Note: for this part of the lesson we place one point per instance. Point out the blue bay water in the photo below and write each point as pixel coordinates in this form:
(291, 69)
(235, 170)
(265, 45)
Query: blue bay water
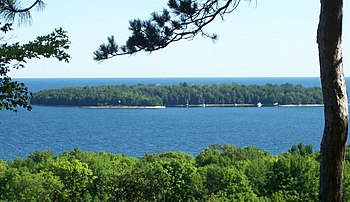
(138, 131)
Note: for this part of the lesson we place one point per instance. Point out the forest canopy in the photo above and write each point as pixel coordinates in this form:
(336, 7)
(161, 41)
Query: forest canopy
(179, 95)
(218, 173)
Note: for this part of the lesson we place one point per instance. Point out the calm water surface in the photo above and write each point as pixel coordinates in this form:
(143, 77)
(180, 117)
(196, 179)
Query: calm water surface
(138, 131)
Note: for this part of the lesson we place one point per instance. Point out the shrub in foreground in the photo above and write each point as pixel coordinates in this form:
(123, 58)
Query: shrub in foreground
(218, 173)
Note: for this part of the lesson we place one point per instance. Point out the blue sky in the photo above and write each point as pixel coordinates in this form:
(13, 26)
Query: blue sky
(275, 38)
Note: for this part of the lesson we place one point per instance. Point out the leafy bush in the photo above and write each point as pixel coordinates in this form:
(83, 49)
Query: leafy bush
(218, 173)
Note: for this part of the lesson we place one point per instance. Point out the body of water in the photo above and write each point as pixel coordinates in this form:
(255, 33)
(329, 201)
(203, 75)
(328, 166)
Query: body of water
(138, 131)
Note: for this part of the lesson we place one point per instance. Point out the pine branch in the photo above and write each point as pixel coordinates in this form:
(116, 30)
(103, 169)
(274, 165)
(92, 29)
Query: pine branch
(9, 9)
(184, 19)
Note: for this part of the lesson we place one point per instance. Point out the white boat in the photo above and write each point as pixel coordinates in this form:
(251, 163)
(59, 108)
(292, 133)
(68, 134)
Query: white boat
(259, 104)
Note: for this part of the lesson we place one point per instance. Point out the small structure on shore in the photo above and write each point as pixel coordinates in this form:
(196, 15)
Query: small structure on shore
(259, 104)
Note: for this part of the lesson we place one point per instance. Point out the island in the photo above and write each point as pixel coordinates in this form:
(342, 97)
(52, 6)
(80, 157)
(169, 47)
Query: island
(179, 95)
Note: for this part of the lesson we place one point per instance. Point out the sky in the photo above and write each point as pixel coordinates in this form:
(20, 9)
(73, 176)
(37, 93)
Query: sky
(266, 38)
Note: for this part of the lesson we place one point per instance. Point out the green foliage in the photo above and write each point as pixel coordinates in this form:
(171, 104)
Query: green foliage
(218, 173)
(301, 149)
(26, 186)
(181, 94)
(227, 182)
(76, 177)
(14, 94)
(347, 175)
(40, 156)
(296, 177)
(211, 155)
(347, 180)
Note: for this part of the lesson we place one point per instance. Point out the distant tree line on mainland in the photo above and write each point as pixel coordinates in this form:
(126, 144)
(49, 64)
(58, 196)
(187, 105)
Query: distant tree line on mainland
(179, 95)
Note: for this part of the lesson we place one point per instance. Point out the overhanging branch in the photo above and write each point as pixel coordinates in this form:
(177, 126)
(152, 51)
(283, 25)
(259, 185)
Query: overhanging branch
(185, 20)
(9, 9)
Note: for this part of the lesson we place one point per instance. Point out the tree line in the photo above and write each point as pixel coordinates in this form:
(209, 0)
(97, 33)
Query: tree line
(218, 173)
(178, 94)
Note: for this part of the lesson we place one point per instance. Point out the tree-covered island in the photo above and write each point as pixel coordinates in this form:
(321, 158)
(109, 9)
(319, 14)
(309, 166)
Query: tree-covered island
(182, 94)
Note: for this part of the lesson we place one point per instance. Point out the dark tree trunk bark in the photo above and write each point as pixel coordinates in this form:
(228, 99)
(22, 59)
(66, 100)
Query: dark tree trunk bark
(335, 101)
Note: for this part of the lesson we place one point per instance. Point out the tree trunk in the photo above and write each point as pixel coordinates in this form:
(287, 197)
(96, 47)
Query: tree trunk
(335, 101)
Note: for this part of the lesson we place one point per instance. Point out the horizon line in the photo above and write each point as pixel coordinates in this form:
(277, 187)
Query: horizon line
(160, 77)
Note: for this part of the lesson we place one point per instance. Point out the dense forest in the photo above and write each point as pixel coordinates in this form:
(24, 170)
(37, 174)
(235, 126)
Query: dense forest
(179, 95)
(218, 173)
